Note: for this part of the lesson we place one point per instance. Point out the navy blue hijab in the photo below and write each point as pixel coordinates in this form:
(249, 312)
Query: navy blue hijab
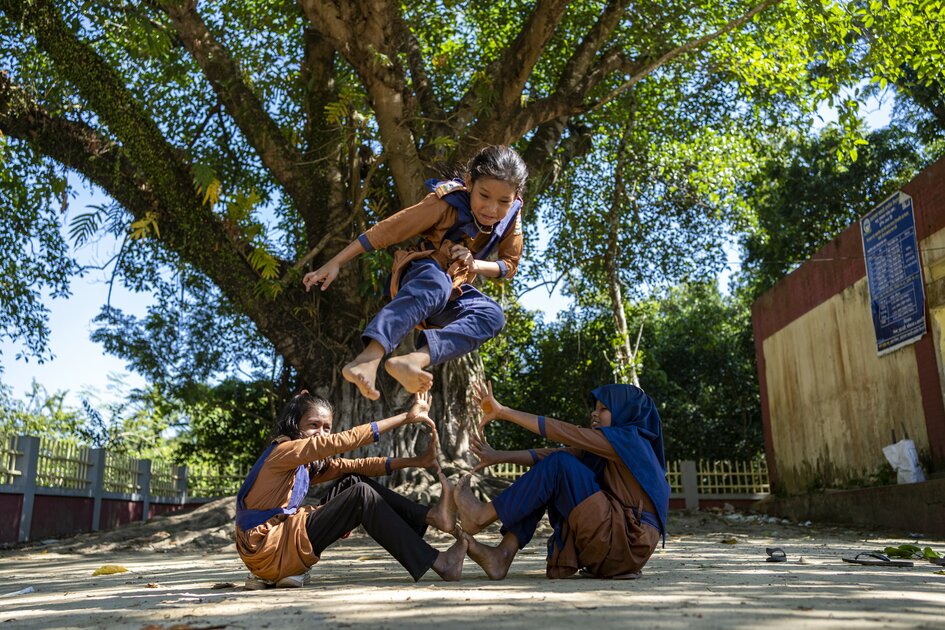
(636, 433)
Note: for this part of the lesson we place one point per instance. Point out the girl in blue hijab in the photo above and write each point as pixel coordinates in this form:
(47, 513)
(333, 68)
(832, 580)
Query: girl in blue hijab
(605, 494)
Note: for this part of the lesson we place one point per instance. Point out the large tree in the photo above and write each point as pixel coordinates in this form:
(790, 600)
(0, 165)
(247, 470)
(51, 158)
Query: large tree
(243, 143)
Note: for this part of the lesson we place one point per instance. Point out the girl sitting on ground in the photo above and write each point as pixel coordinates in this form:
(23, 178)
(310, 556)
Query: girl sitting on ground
(606, 494)
(279, 539)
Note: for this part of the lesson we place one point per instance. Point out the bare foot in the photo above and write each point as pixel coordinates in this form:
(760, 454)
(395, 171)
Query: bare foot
(362, 373)
(473, 513)
(495, 561)
(449, 564)
(443, 515)
(408, 370)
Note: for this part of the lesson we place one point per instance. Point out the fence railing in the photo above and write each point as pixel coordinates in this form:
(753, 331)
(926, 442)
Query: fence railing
(44, 466)
(31, 466)
(216, 481)
(8, 455)
(690, 480)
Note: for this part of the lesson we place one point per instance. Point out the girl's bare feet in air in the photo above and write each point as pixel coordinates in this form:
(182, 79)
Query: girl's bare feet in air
(495, 561)
(449, 564)
(362, 371)
(443, 515)
(408, 370)
(473, 513)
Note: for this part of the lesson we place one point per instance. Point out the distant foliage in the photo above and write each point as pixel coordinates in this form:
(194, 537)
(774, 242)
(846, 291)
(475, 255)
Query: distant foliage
(697, 363)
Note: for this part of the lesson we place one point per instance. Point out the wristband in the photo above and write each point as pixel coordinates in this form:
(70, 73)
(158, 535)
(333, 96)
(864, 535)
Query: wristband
(387, 465)
(541, 426)
(534, 455)
(375, 431)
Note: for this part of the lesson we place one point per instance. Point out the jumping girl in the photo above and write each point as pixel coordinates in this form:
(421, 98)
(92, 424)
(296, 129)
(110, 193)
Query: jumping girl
(460, 224)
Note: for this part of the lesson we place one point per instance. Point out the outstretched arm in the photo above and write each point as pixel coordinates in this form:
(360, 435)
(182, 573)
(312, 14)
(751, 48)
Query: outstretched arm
(405, 224)
(489, 456)
(298, 452)
(327, 273)
(590, 440)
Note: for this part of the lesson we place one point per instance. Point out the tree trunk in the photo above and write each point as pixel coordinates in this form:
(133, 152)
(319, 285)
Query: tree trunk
(625, 360)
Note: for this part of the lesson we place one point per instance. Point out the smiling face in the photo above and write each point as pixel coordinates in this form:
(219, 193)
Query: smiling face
(315, 422)
(491, 199)
(600, 417)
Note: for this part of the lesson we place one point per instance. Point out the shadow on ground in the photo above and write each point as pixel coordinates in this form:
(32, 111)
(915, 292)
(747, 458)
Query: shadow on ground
(702, 578)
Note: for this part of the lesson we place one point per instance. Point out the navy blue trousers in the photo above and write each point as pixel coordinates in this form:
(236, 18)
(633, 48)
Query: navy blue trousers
(456, 327)
(394, 521)
(557, 483)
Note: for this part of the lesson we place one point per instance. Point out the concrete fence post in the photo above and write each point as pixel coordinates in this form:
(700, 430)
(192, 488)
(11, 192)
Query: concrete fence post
(182, 484)
(690, 484)
(144, 476)
(97, 479)
(28, 465)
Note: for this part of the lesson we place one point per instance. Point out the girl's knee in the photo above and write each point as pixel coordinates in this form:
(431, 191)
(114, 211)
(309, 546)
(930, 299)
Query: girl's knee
(562, 461)
(365, 492)
(494, 316)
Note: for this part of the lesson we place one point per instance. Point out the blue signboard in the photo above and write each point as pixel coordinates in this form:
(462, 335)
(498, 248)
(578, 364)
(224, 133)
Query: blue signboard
(894, 274)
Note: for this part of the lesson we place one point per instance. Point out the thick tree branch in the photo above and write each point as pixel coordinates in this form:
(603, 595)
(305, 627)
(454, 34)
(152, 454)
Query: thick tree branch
(147, 173)
(76, 146)
(509, 73)
(104, 90)
(582, 61)
(547, 154)
(223, 73)
(570, 91)
(569, 103)
(324, 140)
(691, 45)
(420, 80)
(363, 32)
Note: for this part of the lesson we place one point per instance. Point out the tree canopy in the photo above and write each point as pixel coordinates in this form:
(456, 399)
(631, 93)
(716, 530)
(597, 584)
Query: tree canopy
(241, 143)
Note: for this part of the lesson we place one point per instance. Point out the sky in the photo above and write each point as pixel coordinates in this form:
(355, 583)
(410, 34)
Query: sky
(81, 367)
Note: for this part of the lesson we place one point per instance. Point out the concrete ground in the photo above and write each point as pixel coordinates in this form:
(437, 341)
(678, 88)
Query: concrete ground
(712, 574)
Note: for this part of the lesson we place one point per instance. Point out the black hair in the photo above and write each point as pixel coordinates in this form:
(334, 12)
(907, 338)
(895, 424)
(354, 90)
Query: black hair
(499, 162)
(292, 413)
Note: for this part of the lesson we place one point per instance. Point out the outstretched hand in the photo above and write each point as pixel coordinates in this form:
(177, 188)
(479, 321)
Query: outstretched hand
(484, 451)
(491, 409)
(428, 459)
(418, 412)
(420, 407)
(324, 275)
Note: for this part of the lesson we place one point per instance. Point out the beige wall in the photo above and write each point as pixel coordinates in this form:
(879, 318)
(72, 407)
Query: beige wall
(833, 402)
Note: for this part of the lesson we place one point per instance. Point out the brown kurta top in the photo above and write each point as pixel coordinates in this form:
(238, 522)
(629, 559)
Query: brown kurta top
(431, 219)
(602, 533)
(280, 547)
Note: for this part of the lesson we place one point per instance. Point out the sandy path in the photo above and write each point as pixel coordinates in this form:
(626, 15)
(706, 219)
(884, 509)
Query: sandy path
(695, 581)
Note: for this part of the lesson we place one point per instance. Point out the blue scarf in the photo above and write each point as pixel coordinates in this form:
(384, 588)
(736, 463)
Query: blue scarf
(636, 433)
(466, 225)
(247, 519)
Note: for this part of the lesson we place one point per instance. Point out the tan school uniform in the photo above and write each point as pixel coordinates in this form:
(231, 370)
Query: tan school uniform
(431, 219)
(280, 547)
(602, 533)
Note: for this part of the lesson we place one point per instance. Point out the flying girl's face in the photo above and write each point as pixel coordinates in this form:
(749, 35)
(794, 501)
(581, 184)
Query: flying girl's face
(600, 417)
(491, 199)
(315, 423)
